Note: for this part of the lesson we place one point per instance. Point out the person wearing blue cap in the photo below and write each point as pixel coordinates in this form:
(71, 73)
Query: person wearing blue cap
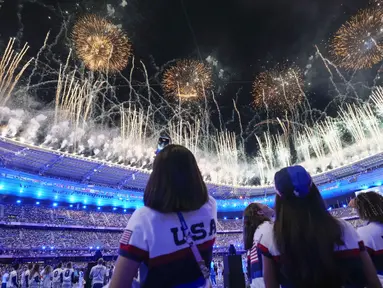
(308, 247)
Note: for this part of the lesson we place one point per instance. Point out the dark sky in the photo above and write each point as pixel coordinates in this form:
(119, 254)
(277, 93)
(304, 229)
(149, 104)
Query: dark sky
(245, 36)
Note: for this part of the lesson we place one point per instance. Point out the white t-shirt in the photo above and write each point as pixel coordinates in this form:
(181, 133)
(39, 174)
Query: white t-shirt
(156, 239)
(67, 277)
(256, 271)
(5, 278)
(25, 274)
(47, 280)
(97, 274)
(12, 275)
(57, 275)
(372, 236)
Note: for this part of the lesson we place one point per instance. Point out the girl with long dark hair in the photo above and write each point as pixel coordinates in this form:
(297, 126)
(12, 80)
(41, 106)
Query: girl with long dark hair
(256, 219)
(307, 246)
(370, 209)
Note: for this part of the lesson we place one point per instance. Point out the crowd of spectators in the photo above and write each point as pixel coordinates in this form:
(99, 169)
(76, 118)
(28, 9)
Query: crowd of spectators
(43, 241)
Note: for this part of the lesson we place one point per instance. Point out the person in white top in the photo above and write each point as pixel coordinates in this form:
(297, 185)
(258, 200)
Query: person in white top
(68, 276)
(47, 277)
(13, 279)
(176, 200)
(307, 247)
(369, 207)
(4, 279)
(256, 219)
(97, 274)
(25, 276)
(57, 276)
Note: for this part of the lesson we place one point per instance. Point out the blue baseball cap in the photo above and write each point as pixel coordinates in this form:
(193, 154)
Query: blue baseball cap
(293, 178)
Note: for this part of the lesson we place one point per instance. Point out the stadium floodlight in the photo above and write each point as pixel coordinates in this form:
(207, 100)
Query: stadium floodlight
(37, 203)
(18, 201)
(52, 247)
(56, 196)
(124, 210)
(54, 204)
(1, 187)
(98, 208)
(71, 205)
(90, 247)
(224, 218)
(43, 247)
(236, 218)
(98, 247)
(84, 206)
(114, 208)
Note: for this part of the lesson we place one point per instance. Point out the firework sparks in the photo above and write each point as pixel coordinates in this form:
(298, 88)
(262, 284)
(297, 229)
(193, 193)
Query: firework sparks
(187, 79)
(100, 44)
(358, 43)
(278, 89)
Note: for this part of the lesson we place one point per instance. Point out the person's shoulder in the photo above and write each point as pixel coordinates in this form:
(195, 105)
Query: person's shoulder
(210, 205)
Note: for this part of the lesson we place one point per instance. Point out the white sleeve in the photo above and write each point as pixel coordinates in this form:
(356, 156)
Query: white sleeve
(133, 242)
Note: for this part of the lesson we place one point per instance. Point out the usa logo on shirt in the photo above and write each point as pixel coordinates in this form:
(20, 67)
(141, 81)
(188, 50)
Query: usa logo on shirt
(126, 237)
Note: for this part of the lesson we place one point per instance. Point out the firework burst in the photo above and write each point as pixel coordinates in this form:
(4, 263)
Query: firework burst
(278, 89)
(100, 44)
(187, 79)
(358, 43)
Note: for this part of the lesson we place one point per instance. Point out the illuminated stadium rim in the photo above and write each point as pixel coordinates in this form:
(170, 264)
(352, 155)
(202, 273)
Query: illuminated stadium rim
(217, 190)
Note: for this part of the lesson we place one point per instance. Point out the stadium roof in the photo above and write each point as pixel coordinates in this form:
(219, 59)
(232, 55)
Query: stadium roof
(55, 164)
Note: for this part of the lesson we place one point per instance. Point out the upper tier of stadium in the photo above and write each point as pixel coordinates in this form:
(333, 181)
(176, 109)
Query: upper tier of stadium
(44, 162)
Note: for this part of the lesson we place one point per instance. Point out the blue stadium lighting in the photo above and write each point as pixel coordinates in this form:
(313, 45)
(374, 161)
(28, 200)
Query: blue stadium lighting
(114, 208)
(329, 209)
(125, 210)
(72, 199)
(56, 196)
(344, 205)
(236, 218)
(21, 191)
(1, 187)
(54, 204)
(98, 208)
(44, 247)
(37, 203)
(245, 203)
(85, 201)
(18, 201)
(90, 247)
(235, 204)
(71, 205)
(99, 202)
(98, 247)
(84, 206)
(52, 248)
(225, 218)
(39, 194)
(378, 183)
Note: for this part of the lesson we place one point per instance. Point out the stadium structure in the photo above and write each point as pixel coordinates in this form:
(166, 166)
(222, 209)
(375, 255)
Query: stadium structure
(55, 204)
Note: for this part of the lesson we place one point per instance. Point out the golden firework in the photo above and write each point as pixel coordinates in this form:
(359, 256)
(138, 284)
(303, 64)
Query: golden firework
(100, 44)
(187, 79)
(358, 43)
(278, 89)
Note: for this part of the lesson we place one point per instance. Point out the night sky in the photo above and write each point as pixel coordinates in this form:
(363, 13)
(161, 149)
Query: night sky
(245, 36)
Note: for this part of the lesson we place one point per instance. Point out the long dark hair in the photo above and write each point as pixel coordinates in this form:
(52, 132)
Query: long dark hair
(36, 269)
(370, 206)
(306, 235)
(252, 218)
(176, 183)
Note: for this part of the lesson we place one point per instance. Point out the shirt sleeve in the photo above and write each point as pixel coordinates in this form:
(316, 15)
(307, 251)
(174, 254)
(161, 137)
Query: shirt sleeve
(133, 242)
(266, 245)
(367, 240)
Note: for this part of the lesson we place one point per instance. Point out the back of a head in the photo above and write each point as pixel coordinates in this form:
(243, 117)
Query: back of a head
(370, 206)
(30, 266)
(176, 183)
(69, 265)
(100, 261)
(16, 266)
(60, 265)
(253, 216)
(36, 269)
(305, 233)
